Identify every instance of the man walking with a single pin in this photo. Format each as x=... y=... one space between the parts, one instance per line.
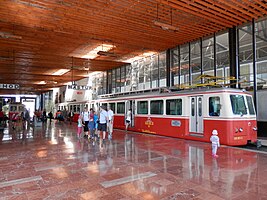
x=110 y=122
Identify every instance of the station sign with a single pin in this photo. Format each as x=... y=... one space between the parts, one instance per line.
x=79 y=87
x=9 y=86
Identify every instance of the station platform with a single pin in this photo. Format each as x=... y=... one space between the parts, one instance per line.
x=50 y=162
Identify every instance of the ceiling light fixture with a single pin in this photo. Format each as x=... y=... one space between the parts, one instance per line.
x=106 y=53
x=7 y=35
x=41 y=83
x=94 y=53
x=60 y=72
x=165 y=26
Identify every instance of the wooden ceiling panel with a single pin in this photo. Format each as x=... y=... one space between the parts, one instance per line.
x=39 y=37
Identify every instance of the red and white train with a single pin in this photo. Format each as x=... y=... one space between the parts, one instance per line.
x=12 y=110
x=187 y=114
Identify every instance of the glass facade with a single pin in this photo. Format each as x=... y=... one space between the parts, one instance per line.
x=206 y=56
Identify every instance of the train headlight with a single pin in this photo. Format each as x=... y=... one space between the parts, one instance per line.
x=236 y=130
x=241 y=130
x=255 y=128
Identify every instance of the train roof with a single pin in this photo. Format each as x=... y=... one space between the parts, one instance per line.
x=169 y=92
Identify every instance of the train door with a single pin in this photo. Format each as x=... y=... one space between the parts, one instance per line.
x=196 y=114
x=130 y=105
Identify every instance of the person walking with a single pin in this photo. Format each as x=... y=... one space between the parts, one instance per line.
x=91 y=124
x=110 y=122
x=128 y=119
x=80 y=125
x=85 y=115
x=103 y=118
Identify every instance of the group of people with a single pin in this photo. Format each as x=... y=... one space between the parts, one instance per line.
x=94 y=123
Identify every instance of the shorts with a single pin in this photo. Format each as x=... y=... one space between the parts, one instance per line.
x=128 y=121
x=102 y=127
x=85 y=128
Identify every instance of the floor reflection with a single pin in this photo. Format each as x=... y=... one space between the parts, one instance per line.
x=135 y=166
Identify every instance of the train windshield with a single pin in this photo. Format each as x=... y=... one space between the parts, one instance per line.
x=250 y=105
x=238 y=104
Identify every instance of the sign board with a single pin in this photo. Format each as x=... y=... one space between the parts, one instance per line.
x=79 y=87
x=9 y=86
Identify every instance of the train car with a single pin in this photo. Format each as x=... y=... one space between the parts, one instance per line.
x=191 y=114
x=13 y=109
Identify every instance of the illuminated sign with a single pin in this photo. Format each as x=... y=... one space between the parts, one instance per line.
x=9 y=86
x=79 y=87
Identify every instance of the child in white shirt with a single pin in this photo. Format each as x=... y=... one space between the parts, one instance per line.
x=215 y=143
x=80 y=125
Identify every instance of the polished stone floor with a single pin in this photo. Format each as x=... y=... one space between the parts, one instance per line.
x=49 y=162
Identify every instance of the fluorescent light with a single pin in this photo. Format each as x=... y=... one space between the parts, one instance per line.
x=165 y=26
x=93 y=54
x=60 y=72
x=141 y=56
x=7 y=35
x=42 y=83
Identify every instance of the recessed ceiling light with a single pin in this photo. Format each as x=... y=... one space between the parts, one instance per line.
x=60 y=72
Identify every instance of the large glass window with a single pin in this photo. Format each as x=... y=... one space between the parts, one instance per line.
x=142 y=107
x=141 y=74
x=245 y=55
x=120 y=108
x=195 y=61
x=174 y=66
x=147 y=73
x=128 y=77
x=208 y=56
x=222 y=56
x=214 y=106
x=113 y=83
x=123 y=79
x=162 y=69
x=118 y=80
x=250 y=105
x=156 y=107
x=238 y=104
x=184 y=62
x=174 y=107
x=261 y=45
x=155 y=71
x=134 y=74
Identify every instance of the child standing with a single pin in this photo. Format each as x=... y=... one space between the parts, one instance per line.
x=80 y=125
x=215 y=143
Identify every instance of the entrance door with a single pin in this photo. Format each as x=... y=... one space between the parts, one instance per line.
x=196 y=115
x=130 y=104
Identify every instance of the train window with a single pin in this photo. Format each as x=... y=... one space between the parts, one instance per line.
x=112 y=106
x=74 y=108
x=13 y=108
x=120 y=108
x=174 y=107
x=156 y=107
x=250 y=105
x=199 y=107
x=214 y=106
x=78 y=108
x=192 y=107
x=142 y=107
x=105 y=105
x=71 y=107
x=238 y=104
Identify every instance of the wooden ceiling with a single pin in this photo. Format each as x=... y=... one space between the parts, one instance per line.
x=39 y=37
